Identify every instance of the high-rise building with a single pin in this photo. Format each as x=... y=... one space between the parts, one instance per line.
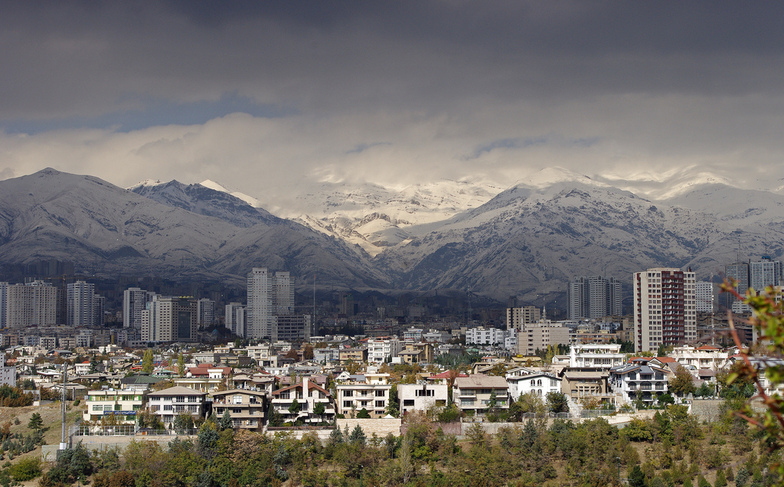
x=517 y=318
x=81 y=304
x=235 y=316
x=30 y=304
x=764 y=273
x=134 y=302
x=594 y=297
x=705 y=296
x=206 y=312
x=665 y=308
x=268 y=296
x=3 y=303
x=170 y=319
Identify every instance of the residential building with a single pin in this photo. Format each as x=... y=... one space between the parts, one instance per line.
x=30 y=304
x=417 y=353
x=235 y=318
x=268 y=295
x=357 y=355
x=594 y=297
x=540 y=384
x=205 y=312
x=764 y=273
x=7 y=373
x=704 y=357
x=705 y=296
x=476 y=392
x=383 y=349
x=581 y=383
x=291 y=327
x=369 y=392
x=307 y=395
x=421 y=397
x=246 y=407
x=169 y=403
x=596 y=356
x=740 y=273
x=518 y=317
x=638 y=381
x=122 y=405
x=665 y=308
x=170 y=319
x=539 y=336
x=412 y=334
x=484 y=336
x=134 y=303
x=81 y=304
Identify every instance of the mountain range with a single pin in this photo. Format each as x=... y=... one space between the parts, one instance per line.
x=526 y=241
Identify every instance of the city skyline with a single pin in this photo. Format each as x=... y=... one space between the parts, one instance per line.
x=267 y=97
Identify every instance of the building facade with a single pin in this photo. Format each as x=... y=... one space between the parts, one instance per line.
x=594 y=297
x=665 y=308
x=268 y=295
x=134 y=303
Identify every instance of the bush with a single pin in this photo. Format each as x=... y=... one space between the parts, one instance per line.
x=25 y=469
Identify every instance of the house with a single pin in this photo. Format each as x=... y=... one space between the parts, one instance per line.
x=123 y=405
x=421 y=397
x=169 y=403
x=245 y=407
x=704 y=357
x=639 y=381
x=369 y=392
x=581 y=383
x=595 y=356
x=476 y=392
x=307 y=396
x=353 y=355
x=540 y=384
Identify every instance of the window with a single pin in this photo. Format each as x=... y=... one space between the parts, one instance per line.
x=380 y=393
x=380 y=404
x=348 y=393
x=347 y=404
x=409 y=403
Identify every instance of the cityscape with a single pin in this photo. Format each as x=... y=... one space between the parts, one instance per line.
x=412 y=243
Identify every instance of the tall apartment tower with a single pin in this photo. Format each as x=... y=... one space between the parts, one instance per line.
x=594 y=297
x=30 y=304
x=170 y=319
x=268 y=295
x=134 y=302
x=517 y=318
x=3 y=304
x=764 y=273
x=206 y=312
x=235 y=318
x=705 y=296
x=665 y=303
x=81 y=304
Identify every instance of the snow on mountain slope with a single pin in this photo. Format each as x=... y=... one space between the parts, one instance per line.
x=90 y=222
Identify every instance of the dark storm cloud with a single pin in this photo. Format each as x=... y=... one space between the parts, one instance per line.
x=630 y=89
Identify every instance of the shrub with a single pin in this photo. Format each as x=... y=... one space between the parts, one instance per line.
x=25 y=469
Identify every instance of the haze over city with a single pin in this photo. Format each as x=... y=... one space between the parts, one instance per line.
x=271 y=98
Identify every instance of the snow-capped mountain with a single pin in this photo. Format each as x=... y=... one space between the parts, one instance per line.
x=107 y=229
x=526 y=241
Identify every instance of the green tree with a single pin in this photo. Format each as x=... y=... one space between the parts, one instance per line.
x=557 y=402
x=181 y=365
x=682 y=383
x=225 y=421
x=393 y=405
x=363 y=414
x=319 y=409
x=36 y=422
x=294 y=408
x=636 y=477
x=147 y=361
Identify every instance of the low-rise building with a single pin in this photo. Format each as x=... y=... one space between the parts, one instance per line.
x=370 y=393
x=307 y=395
x=245 y=407
x=421 y=397
x=383 y=349
x=476 y=392
x=169 y=403
x=540 y=384
x=596 y=356
x=122 y=405
x=638 y=381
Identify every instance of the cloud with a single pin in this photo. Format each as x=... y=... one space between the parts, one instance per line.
x=264 y=96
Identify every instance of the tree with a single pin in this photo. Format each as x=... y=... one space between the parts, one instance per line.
x=319 y=409
x=363 y=414
x=682 y=382
x=557 y=402
x=295 y=407
x=36 y=422
x=147 y=361
x=636 y=477
x=225 y=421
x=393 y=405
x=181 y=365
x=307 y=353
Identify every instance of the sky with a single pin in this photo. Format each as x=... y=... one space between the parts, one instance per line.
x=269 y=98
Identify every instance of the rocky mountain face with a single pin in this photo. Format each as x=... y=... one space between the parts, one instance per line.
x=526 y=241
x=192 y=233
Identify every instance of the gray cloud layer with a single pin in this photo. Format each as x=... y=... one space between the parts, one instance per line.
x=426 y=90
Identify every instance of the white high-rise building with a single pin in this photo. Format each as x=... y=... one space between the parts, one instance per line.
x=268 y=295
x=705 y=296
x=81 y=304
x=206 y=312
x=235 y=318
x=665 y=308
x=30 y=304
x=3 y=303
x=764 y=273
x=134 y=302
